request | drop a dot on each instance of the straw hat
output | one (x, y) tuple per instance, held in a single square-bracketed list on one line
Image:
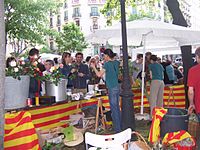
[(78, 139)]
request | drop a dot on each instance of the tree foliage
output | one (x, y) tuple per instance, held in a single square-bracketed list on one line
[(71, 39), (27, 22), (140, 16), (112, 9)]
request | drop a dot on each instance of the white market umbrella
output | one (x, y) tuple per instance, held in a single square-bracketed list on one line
[(159, 33), (45, 56), (149, 33)]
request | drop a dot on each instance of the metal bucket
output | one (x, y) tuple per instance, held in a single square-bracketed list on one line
[(58, 91), (16, 92)]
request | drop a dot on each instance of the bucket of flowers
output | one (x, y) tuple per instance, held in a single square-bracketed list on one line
[(17, 80), (55, 83)]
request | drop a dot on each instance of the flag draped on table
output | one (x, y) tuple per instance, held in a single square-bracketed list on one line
[(173, 137), (20, 133), (157, 114)]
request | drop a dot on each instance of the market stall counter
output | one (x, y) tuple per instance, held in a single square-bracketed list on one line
[(48, 117)]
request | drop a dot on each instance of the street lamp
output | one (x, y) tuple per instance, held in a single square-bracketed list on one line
[(128, 118)]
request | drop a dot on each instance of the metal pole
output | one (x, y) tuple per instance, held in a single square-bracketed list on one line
[(143, 74), (128, 118), (143, 70)]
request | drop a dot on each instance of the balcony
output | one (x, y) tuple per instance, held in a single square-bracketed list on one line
[(51, 23), (75, 2), (95, 26), (66, 18), (96, 2), (76, 15), (65, 5), (58, 22), (94, 14)]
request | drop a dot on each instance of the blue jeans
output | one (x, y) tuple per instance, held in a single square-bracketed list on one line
[(113, 95)]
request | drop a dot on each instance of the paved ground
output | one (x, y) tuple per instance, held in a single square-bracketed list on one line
[(141, 126)]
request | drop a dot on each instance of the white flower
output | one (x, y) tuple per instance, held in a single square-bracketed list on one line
[(52, 69), (13, 63), (16, 69), (22, 59), (23, 62)]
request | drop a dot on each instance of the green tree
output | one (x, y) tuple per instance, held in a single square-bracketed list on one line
[(27, 22), (71, 39), (112, 9), (140, 16)]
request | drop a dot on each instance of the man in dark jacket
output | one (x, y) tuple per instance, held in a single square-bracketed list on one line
[(82, 74)]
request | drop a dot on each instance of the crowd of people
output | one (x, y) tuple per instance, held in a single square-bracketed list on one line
[(158, 74), (82, 73)]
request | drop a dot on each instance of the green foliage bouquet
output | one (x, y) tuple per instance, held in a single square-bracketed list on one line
[(17, 68), (54, 75), (20, 67)]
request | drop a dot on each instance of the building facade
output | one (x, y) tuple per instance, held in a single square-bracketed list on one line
[(189, 8), (85, 13), (195, 11)]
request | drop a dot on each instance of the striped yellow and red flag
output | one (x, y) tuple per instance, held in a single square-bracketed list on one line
[(20, 133), (173, 137), (157, 114)]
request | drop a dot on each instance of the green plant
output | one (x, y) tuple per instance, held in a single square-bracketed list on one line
[(54, 76), (15, 71), (20, 67)]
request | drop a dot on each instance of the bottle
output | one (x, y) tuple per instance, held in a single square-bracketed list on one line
[(37, 103)]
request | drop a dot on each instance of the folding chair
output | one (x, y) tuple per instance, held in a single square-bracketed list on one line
[(108, 142)]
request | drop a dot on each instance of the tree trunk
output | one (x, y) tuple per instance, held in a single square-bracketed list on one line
[(186, 51), (2, 71)]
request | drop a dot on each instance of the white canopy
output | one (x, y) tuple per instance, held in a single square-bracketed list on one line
[(149, 33), (159, 34)]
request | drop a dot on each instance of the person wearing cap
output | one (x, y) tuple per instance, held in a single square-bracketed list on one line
[(111, 71), (193, 84)]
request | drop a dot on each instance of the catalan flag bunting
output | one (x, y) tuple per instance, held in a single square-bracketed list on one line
[(173, 137), (49, 117), (20, 132), (158, 113)]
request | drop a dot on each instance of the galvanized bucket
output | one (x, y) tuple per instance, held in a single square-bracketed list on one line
[(58, 91), (16, 92)]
